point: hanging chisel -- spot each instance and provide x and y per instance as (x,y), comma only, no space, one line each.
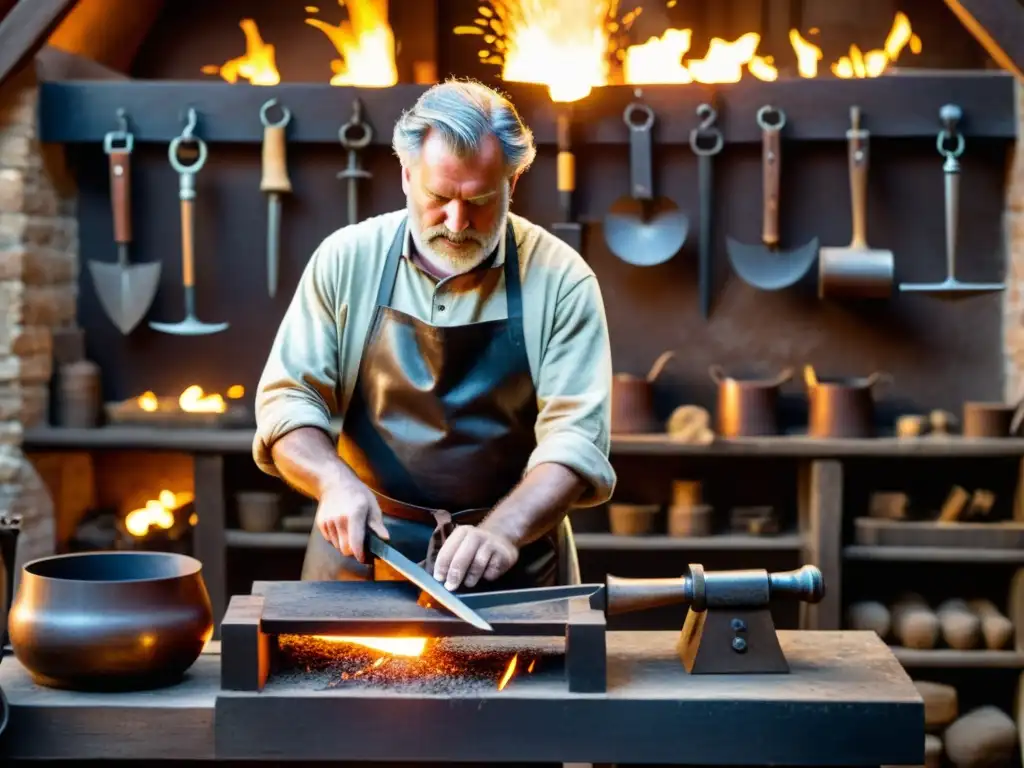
(274,182)
(354,136)
(712,146)
(568,229)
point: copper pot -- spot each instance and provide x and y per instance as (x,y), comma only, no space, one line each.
(633,400)
(992,419)
(748,407)
(110,620)
(842,406)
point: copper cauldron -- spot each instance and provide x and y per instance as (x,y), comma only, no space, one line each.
(633,400)
(748,407)
(842,406)
(110,620)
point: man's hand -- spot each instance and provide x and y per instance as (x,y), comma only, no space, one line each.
(345,511)
(472,553)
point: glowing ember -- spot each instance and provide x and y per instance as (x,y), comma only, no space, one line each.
(396,646)
(509,671)
(193,399)
(158,513)
(235,392)
(365,43)
(256,65)
(455,666)
(148,401)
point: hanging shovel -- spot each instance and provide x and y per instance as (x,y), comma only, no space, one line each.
(642,229)
(766,266)
(125,290)
(191,325)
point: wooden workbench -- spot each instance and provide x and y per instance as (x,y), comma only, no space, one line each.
(846,702)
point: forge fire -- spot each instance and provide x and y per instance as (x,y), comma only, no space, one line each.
(407,664)
(571,46)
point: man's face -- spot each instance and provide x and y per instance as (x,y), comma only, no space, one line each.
(457,205)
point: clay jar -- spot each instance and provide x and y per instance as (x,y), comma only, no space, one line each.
(842,406)
(748,406)
(633,400)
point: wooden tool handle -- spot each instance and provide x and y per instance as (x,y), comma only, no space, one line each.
(187,245)
(771,157)
(857,141)
(275,168)
(624,595)
(566,160)
(120,195)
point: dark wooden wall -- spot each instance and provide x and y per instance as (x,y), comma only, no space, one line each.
(939,354)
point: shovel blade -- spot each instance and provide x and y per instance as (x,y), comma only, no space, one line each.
(125,292)
(767,269)
(645,233)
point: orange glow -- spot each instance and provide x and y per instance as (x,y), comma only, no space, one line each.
(256,65)
(396,646)
(157,514)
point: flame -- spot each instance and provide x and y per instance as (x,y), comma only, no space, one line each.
(366,44)
(876,61)
(158,513)
(194,400)
(509,671)
(563,44)
(257,64)
(396,646)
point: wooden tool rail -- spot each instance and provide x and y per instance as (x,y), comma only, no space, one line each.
(899,105)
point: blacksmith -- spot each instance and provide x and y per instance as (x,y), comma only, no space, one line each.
(465,349)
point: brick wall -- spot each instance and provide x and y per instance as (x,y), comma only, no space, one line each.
(38,291)
(1013,319)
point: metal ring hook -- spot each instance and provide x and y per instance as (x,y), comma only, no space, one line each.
(762,118)
(706,127)
(707,115)
(122,135)
(950,115)
(190,125)
(286,115)
(355,134)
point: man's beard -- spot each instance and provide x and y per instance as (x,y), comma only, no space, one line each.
(429,243)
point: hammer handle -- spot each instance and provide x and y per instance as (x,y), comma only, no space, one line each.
(771,157)
(857,144)
(120,196)
(187,245)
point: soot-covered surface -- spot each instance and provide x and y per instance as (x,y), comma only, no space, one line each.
(446,666)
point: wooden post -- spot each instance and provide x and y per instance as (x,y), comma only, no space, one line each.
(209,540)
(820,502)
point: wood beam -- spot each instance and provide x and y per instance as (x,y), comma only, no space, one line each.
(25,29)
(998,25)
(54,64)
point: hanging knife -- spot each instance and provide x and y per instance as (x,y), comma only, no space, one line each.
(424,581)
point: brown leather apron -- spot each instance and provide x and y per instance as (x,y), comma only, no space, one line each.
(440,427)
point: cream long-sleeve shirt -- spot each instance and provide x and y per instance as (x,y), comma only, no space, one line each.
(311,371)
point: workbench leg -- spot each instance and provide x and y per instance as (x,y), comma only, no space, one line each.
(586,650)
(820,502)
(209,540)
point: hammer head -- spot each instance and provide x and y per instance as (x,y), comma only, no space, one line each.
(770,269)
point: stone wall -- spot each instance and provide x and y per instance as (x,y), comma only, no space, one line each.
(1013,322)
(38,292)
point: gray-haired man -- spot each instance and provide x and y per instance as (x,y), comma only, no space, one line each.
(468,352)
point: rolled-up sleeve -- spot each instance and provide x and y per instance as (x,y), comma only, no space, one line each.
(299,384)
(574,392)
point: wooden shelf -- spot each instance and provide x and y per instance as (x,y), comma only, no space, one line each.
(799,446)
(947,658)
(240,441)
(901,105)
(726,541)
(934,555)
(237,539)
(140,438)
